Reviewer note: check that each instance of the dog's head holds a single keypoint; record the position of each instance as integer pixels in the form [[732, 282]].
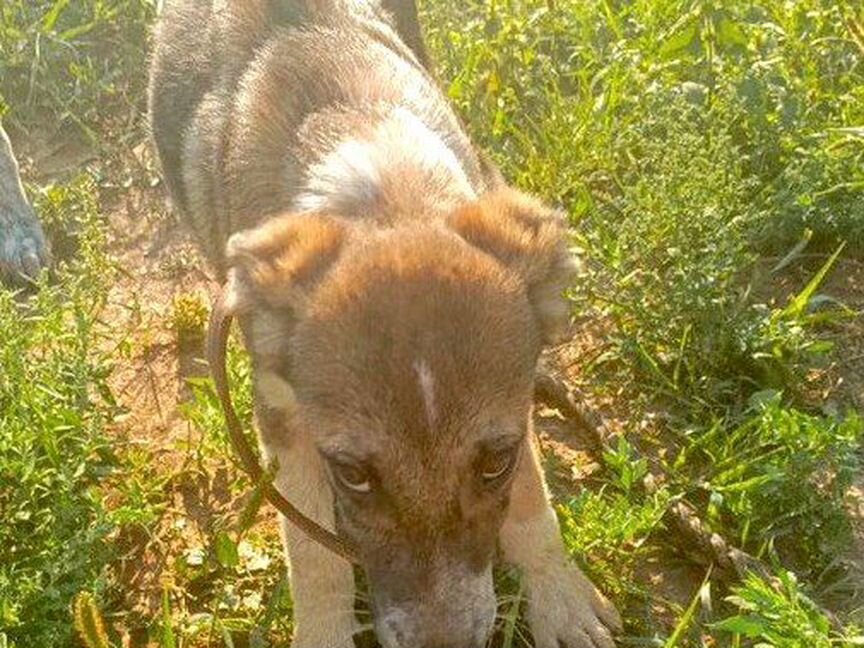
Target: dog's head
[[408, 355]]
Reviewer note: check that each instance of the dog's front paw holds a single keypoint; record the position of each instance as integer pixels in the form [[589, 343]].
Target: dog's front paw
[[565, 610], [23, 249]]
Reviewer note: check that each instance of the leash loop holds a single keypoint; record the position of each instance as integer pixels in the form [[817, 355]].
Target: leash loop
[[217, 346]]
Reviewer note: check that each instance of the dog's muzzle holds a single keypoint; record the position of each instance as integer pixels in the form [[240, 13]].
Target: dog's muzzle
[[457, 610]]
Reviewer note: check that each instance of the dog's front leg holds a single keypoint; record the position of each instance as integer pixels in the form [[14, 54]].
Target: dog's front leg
[[23, 250], [565, 610], [322, 584]]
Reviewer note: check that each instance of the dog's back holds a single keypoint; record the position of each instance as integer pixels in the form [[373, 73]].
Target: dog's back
[[265, 106]]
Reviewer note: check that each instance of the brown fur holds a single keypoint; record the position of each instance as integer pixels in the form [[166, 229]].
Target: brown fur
[[394, 296]]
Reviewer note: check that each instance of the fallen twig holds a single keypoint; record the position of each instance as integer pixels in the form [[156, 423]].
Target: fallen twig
[[680, 517], [731, 564]]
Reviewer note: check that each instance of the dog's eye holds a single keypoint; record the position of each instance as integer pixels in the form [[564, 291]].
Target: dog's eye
[[497, 465], [352, 477]]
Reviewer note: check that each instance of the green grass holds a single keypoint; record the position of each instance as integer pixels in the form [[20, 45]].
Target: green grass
[[706, 153], [684, 141], [779, 614], [54, 452], [73, 61], [778, 479]]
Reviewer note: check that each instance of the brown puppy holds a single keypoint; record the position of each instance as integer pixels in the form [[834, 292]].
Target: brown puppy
[[394, 296]]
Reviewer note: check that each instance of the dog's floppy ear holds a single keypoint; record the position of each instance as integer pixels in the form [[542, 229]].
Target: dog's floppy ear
[[279, 263], [530, 239]]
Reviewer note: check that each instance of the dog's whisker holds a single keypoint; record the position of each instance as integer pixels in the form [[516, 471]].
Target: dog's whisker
[[509, 600], [364, 627], [336, 614]]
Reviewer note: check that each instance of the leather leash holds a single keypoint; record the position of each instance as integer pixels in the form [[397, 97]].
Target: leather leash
[[217, 346]]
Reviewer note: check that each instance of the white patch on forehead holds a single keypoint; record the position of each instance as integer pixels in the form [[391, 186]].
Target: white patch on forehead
[[426, 382], [351, 175]]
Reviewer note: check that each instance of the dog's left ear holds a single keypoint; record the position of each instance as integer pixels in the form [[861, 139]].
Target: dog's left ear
[[530, 239], [277, 265]]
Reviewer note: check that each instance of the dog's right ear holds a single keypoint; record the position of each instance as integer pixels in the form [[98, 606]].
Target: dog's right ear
[[279, 263], [531, 240]]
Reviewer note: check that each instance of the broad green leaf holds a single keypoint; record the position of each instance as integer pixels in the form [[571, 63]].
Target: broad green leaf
[[226, 550], [750, 626]]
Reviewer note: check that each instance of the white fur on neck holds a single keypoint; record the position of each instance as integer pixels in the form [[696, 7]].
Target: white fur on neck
[[351, 175]]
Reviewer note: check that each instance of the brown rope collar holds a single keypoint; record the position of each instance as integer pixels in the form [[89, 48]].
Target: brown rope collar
[[217, 345]]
